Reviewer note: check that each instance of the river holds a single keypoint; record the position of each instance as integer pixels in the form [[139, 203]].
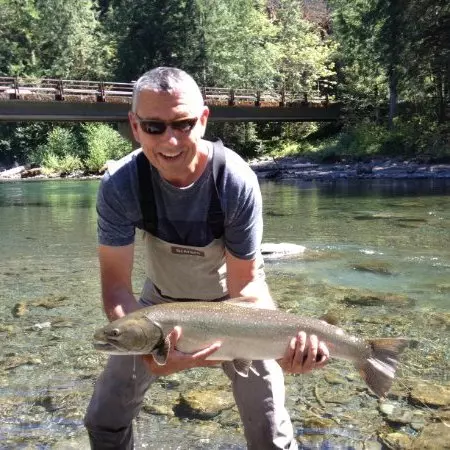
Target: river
[[377, 260]]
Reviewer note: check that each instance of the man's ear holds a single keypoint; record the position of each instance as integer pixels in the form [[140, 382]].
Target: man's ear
[[204, 120], [134, 124]]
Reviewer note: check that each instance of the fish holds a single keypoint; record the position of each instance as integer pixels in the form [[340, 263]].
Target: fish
[[247, 333]]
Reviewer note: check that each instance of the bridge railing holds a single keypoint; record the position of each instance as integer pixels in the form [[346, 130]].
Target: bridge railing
[[35, 89]]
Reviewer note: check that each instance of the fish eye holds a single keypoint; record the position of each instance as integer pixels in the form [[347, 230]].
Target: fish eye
[[115, 332]]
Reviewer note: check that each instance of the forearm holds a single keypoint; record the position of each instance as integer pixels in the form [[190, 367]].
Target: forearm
[[259, 290], [118, 302], [245, 278]]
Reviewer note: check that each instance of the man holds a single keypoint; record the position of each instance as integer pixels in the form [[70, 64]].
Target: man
[[199, 205]]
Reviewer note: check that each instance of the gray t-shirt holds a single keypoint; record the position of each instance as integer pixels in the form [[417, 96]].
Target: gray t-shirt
[[183, 212]]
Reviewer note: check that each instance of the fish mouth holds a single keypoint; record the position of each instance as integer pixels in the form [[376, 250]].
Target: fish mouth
[[106, 347]]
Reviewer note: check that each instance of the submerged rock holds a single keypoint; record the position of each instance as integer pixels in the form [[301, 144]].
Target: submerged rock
[[377, 267], [397, 441], [376, 299], [434, 436], [203, 404], [20, 309], [430, 394]]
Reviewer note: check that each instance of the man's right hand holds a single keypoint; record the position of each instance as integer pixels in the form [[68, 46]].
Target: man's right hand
[[178, 361]]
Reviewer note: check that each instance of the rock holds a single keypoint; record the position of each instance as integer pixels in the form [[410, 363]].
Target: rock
[[41, 326], [434, 436], [387, 408], [20, 309], [318, 423], [203, 404], [333, 378], [397, 441], [430, 394], [376, 299], [30, 173], [331, 317], [377, 267], [12, 362], [12, 173], [280, 250], [50, 302]]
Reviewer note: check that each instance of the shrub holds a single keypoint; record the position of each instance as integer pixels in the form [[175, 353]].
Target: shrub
[[103, 143], [63, 165]]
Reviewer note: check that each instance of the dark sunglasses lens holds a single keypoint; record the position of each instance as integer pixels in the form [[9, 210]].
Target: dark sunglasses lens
[[153, 127], [185, 125]]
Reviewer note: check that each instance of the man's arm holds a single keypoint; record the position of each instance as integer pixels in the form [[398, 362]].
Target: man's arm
[[243, 281], [116, 265], [303, 353]]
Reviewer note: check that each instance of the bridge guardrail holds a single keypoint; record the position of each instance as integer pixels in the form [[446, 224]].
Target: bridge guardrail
[[102, 91]]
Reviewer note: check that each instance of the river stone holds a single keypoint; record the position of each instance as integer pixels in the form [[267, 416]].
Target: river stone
[[377, 267], [430, 394], [376, 299], [397, 441], [20, 309], [434, 436], [203, 404], [280, 250], [314, 423], [50, 302], [333, 378], [387, 408]]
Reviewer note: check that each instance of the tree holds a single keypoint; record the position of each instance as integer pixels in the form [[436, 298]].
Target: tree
[[18, 21], [240, 44], [150, 33], [72, 45], [307, 52]]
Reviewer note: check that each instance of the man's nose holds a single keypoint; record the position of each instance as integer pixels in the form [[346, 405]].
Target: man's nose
[[170, 136]]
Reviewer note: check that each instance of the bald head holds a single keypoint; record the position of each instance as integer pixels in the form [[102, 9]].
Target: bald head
[[167, 79]]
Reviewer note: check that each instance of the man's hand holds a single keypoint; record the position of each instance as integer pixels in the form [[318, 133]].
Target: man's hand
[[304, 353], [178, 361]]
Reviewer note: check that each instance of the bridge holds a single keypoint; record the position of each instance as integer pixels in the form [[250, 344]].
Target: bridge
[[31, 99]]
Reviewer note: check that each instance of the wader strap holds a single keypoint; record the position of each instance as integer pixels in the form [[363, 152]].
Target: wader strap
[[148, 205], [215, 214]]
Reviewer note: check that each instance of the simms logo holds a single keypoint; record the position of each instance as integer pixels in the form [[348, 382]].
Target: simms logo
[[187, 251]]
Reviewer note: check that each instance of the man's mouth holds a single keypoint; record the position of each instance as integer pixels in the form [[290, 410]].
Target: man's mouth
[[171, 156]]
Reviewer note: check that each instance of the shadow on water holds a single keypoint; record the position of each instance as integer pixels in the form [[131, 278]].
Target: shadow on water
[[377, 187]]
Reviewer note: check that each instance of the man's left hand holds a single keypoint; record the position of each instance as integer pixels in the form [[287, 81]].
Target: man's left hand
[[304, 353]]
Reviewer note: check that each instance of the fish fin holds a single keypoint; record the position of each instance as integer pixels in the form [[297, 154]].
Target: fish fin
[[243, 366], [378, 371], [161, 352]]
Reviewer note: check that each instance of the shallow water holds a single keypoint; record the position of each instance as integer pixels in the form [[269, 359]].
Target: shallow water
[[388, 237]]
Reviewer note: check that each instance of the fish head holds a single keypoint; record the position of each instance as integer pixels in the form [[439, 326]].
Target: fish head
[[129, 336]]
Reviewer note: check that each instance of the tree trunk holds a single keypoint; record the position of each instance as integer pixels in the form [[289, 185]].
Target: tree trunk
[[393, 97]]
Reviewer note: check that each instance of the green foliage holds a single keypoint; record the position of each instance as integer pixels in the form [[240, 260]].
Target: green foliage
[[150, 33], [306, 55], [390, 60], [61, 165], [103, 143], [240, 136]]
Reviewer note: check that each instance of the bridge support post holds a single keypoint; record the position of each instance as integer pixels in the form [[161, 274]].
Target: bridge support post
[[124, 129]]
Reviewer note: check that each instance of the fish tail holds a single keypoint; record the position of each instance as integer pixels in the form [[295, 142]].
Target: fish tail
[[378, 370]]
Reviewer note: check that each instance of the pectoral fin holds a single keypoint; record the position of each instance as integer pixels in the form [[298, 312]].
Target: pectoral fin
[[161, 351], [243, 366]]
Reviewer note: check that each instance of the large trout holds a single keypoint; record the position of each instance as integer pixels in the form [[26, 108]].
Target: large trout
[[246, 333]]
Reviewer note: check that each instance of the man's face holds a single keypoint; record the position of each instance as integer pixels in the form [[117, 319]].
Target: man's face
[[175, 153]]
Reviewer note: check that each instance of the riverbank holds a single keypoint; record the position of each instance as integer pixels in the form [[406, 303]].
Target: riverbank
[[298, 168], [293, 168]]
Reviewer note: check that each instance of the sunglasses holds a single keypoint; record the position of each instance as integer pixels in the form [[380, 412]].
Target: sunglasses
[[155, 127]]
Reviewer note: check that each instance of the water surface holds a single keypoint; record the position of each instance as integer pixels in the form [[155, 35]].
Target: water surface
[[384, 236]]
